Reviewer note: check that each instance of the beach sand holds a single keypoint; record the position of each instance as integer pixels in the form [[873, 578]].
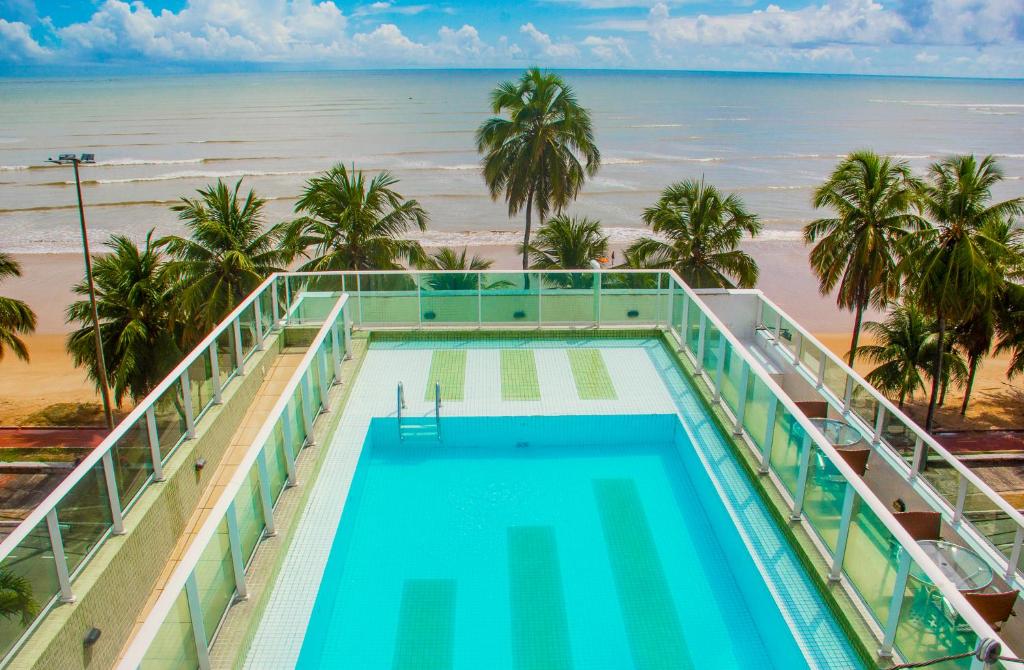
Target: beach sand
[[51, 378]]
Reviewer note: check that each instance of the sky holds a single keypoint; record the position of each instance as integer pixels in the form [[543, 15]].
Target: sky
[[976, 38]]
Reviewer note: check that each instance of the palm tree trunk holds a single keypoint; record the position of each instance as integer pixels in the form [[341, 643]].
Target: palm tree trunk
[[526, 235], [936, 373], [970, 383], [856, 331]]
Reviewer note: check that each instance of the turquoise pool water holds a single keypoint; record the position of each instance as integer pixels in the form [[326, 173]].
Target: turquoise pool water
[[541, 542]]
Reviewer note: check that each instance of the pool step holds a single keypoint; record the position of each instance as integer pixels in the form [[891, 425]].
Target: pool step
[[419, 429]]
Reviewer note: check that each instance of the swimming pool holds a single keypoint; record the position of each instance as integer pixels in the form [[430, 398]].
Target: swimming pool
[[541, 542]]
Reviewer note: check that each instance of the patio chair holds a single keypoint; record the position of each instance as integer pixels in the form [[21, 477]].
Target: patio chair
[[856, 459], [921, 525], [813, 409], [994, 608]]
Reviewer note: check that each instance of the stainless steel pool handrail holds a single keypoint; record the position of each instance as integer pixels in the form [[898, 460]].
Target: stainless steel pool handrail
[[182, 579]]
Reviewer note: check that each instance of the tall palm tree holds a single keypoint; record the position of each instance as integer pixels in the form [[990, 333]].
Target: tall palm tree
[[16, 318], [975, 335], [906, 343], [567, 243], [447, 258], [352, 223], [227, 254], [953, 261], [703, 229], [1010, 321], [855, 252], [133, 300], [540, 156]]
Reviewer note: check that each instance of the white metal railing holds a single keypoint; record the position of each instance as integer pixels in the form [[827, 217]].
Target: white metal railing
[[320, 366], [875, 428]]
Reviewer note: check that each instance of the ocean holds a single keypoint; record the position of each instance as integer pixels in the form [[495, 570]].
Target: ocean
[[769, 138]]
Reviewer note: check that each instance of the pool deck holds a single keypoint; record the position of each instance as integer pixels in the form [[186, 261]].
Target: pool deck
[[545, 378]]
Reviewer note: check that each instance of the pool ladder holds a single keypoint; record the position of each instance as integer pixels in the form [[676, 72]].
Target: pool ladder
[[424, 428]]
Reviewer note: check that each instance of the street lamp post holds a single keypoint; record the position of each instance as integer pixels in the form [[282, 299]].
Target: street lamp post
[[75, 161]]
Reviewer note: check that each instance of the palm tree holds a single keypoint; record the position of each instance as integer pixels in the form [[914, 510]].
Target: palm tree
[[15, 316], [133, 300], [16, 598], [906, 343], [1010, 323], [953, 261], [856, 250], [227, 255], [975, 335], [567, 243], [540, 156], [352, 223], [447, 258], [703, 229]]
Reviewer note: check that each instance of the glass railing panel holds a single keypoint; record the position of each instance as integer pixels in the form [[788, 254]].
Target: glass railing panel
[[174, 646], [823, 497], [449, 298], [788, 336], [629, 297], [835, 379], [277, 467], [170, 419], [992, 522], [133, 461], [693, 327], [200, 377], [298, 425], [215, 578], [510, 297], [940, 474], [870, 562], [32, 563], [249, 513], [247, 325], [266, 301], [788, 443], [732, 377], [755, 416], [568, 298], [810, 356], [383, 299], [678, 298], [84, 516], [324, 283], [929, 627], [769, 319], [712, 341], [898, 436], [313, 374], [225, 356], [864, 405]]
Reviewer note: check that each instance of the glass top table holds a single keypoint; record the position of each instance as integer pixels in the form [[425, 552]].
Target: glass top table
[[960, 565], [839, 433]]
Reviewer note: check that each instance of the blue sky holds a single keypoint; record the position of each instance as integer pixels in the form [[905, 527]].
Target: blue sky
[[905, 37]]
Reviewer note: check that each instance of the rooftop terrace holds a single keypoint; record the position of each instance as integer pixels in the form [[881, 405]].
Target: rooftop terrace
[[169, 536]]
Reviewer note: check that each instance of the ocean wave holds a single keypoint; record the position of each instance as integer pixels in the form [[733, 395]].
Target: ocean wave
[[728, 118], [1010, 156], [952, 105], [656, 125], [189, 174], [14, 168], [791, 187]]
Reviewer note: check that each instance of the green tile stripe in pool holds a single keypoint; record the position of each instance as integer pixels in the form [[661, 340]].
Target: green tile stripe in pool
[[426, 625], [648, 610], [447, 366], [519, 375], [591, 374], [540, 629]]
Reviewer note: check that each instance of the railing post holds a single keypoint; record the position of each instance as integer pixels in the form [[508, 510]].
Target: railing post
[[347, 329], [288, 434], [266, 499], [1011, 563], [895, 604], [920, 454], [186, 404], [258, 313], [236, 344], [879, 425], [359, 296], [778, 329], [419, 301], [195, 615], [848, 395], [684, 326], [235, 544], [597, 297], [700, 343], [320, 360], [479, 300], [116, 517], [275, 303], [741, 403], [720, 371], [215, 374], [287, 299], [801, 480], [154, 445], [759, 314], [961, 500], [336, 351], [821, 370], [798, 341], [59, 558], [844, 533], [769, 435], [307, 408]]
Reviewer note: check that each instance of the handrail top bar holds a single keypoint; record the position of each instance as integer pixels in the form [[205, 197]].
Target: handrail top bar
[[932, 443], [138, 646], [908, 544], [589, 271], [36, 516]]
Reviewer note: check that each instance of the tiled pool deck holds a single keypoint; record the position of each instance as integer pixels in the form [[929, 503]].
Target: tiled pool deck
[[530, 377]]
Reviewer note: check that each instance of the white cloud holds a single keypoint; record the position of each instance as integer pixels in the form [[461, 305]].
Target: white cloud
[[389, 8], [925, 57], [543, 46], [16, 43], [612, 50]]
